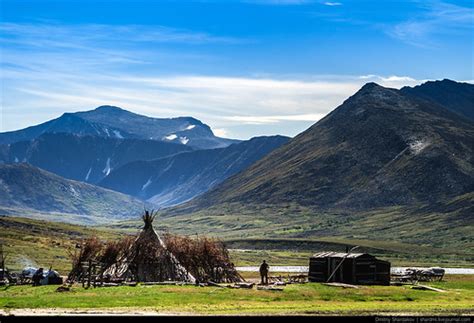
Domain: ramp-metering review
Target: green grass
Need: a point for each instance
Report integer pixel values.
(47, 243)
(295, 299)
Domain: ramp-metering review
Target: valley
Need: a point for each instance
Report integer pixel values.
(238, 158)
(389, 170)
(43, 243)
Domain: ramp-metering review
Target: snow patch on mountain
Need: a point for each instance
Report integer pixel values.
(73, 191)
(107, 168)
(171, 137)
(118, 134)
(418, 145)
(192, 126)
(184, 140)
(88, 174)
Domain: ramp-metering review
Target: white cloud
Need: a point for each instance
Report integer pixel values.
(278, 2)
(73, 68)
(393, 81)
(81, 35)
(332, 4)
(227, 104)
(438, 18)
(220, 132)
(275, 119)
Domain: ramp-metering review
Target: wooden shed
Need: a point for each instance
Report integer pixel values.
(356, 268)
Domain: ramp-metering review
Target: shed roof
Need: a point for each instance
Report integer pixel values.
(332, 254)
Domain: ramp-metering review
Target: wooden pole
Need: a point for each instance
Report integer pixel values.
(89, 274)
(339, 265)
(2, 259)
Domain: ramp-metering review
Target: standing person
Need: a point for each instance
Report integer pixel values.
(37, 276)
(264, 273)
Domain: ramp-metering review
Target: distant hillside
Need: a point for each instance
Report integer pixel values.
(25, 189)
(178, 178)
(380, 148)
(455, 96)
(114, 122)
(85, 158)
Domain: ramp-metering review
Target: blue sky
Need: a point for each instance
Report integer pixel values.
(246, 68)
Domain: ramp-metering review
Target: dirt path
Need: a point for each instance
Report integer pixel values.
(149, 312)
(85, 312)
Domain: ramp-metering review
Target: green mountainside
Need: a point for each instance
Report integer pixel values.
(382, 166)
(378, 149)
(30, 191)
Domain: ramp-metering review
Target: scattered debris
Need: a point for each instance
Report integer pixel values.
(110, 285)
(289, 279)
(414, 275)
(62, 289)
(424, 287)
(211, 283)
(172, 283)
(131, 284)
(242, 285)
(279, 284)
(399, 283)
(272, 288)
(341, 285)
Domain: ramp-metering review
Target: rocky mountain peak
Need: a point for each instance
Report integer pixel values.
(375, 90)
(109, 108)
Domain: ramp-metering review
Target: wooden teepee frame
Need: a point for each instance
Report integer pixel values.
(148, 259)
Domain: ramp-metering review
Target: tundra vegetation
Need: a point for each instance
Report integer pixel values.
(310, 298)
(36, 242)
(50, 243)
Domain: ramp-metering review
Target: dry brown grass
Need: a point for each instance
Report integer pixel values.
(205, 258)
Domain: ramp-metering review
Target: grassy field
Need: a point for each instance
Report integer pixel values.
(34, 242)
(310, 298)
(43, 243)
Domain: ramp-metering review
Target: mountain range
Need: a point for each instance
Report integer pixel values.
(104, 147)
(85, 158)
(386, 162)
(457, 97)
(381, 147)
(114, 122)
(174, 179)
